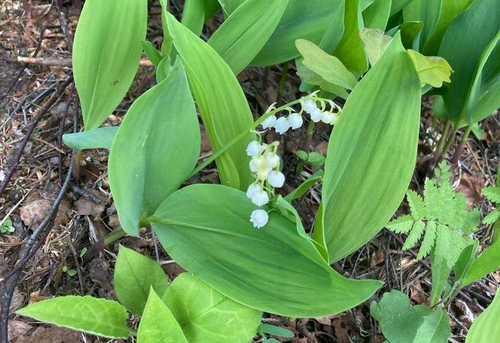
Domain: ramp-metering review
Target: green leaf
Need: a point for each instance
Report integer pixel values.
(427, 12)
(276, 331)
(377, 15)
(375, 42)
(144, 164)
(417, 205)
(431, 70)
(415, 235)
(106, 54)
(95, 316)
(402, 322)
(220, 99)
(208, 316)
(100, 138)
(403, 224)
(486, 327)
(302, 20)
(158, 323)
(304, 187)
(134, 276)
(449, 246)
(311, 78)
(398, 5)
(153, 54)
(428, 241)
(487, 262)
(206, 229)
(492, 194)
(351, 49)
(328, 67)
(463, 46)
(450, 9)
(245, 32)
(383, 108)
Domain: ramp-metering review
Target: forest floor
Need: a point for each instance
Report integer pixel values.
(73, 257)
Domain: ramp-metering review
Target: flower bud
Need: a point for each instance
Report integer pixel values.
(328, 118)
(276, 179)
(259, 218)
(269, 122)
(254, 148)
(309, 105)
(295, 120)
(316, 115)
(282, 125)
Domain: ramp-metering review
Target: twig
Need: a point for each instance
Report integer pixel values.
(40, 113)
(61, 62)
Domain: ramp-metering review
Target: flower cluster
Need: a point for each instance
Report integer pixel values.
(264, 164)
(325, 112)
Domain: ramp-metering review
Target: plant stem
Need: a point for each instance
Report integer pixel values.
(114, 235)
(241, 136)
(460, 147)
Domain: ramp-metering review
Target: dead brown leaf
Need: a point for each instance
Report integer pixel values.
(34, 212)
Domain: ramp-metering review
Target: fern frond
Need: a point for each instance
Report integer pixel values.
(449, 245)
(402, 224)
(415, 235)
(492, 194)
(429, 240)
(417, 205)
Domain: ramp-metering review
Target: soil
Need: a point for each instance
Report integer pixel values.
(73, 257)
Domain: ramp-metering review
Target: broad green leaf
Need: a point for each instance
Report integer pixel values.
(144, 164)
(106, 54)
(100, 138)
(194, 15)
(302, 19)
(99, 317)
(375, 42)
(487, 262)
(304, 187)
(398, 5)
(450, 9)
(153, 54)
(427, 12)
(335, 29)
(410, 31)
(377, 15)
(401, 322)
(207, 316)
(328, 67)
(350, 50)
(431, 70)
(220, 99)
(206, 229)
(463, 46)
(276, 331)
(486, 327)
(158, 324)
(134, 276)
(310, 78)
(245, 32)
(366, 172)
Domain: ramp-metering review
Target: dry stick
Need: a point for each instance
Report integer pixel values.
(61, 62)
(40, 113)
(9, 283)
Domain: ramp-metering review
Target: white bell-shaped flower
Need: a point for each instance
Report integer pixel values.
(260, 198)
(254, 148)
(253, 189)
(259, 218)
(329, 118)
(295, 120)
(273, 160)
(316, 115)
(282, 125)
(276, 179)
(309, 105)
(269, 122)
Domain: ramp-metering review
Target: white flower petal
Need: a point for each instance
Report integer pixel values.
(269, 122)
(295, 120)
(253, 189)
(259, 218)
(254, 149)
(282, 125)
(276, 179)
(316, 115)
(260, 198)
(272, 159)
(309, 105)
(328, 118)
